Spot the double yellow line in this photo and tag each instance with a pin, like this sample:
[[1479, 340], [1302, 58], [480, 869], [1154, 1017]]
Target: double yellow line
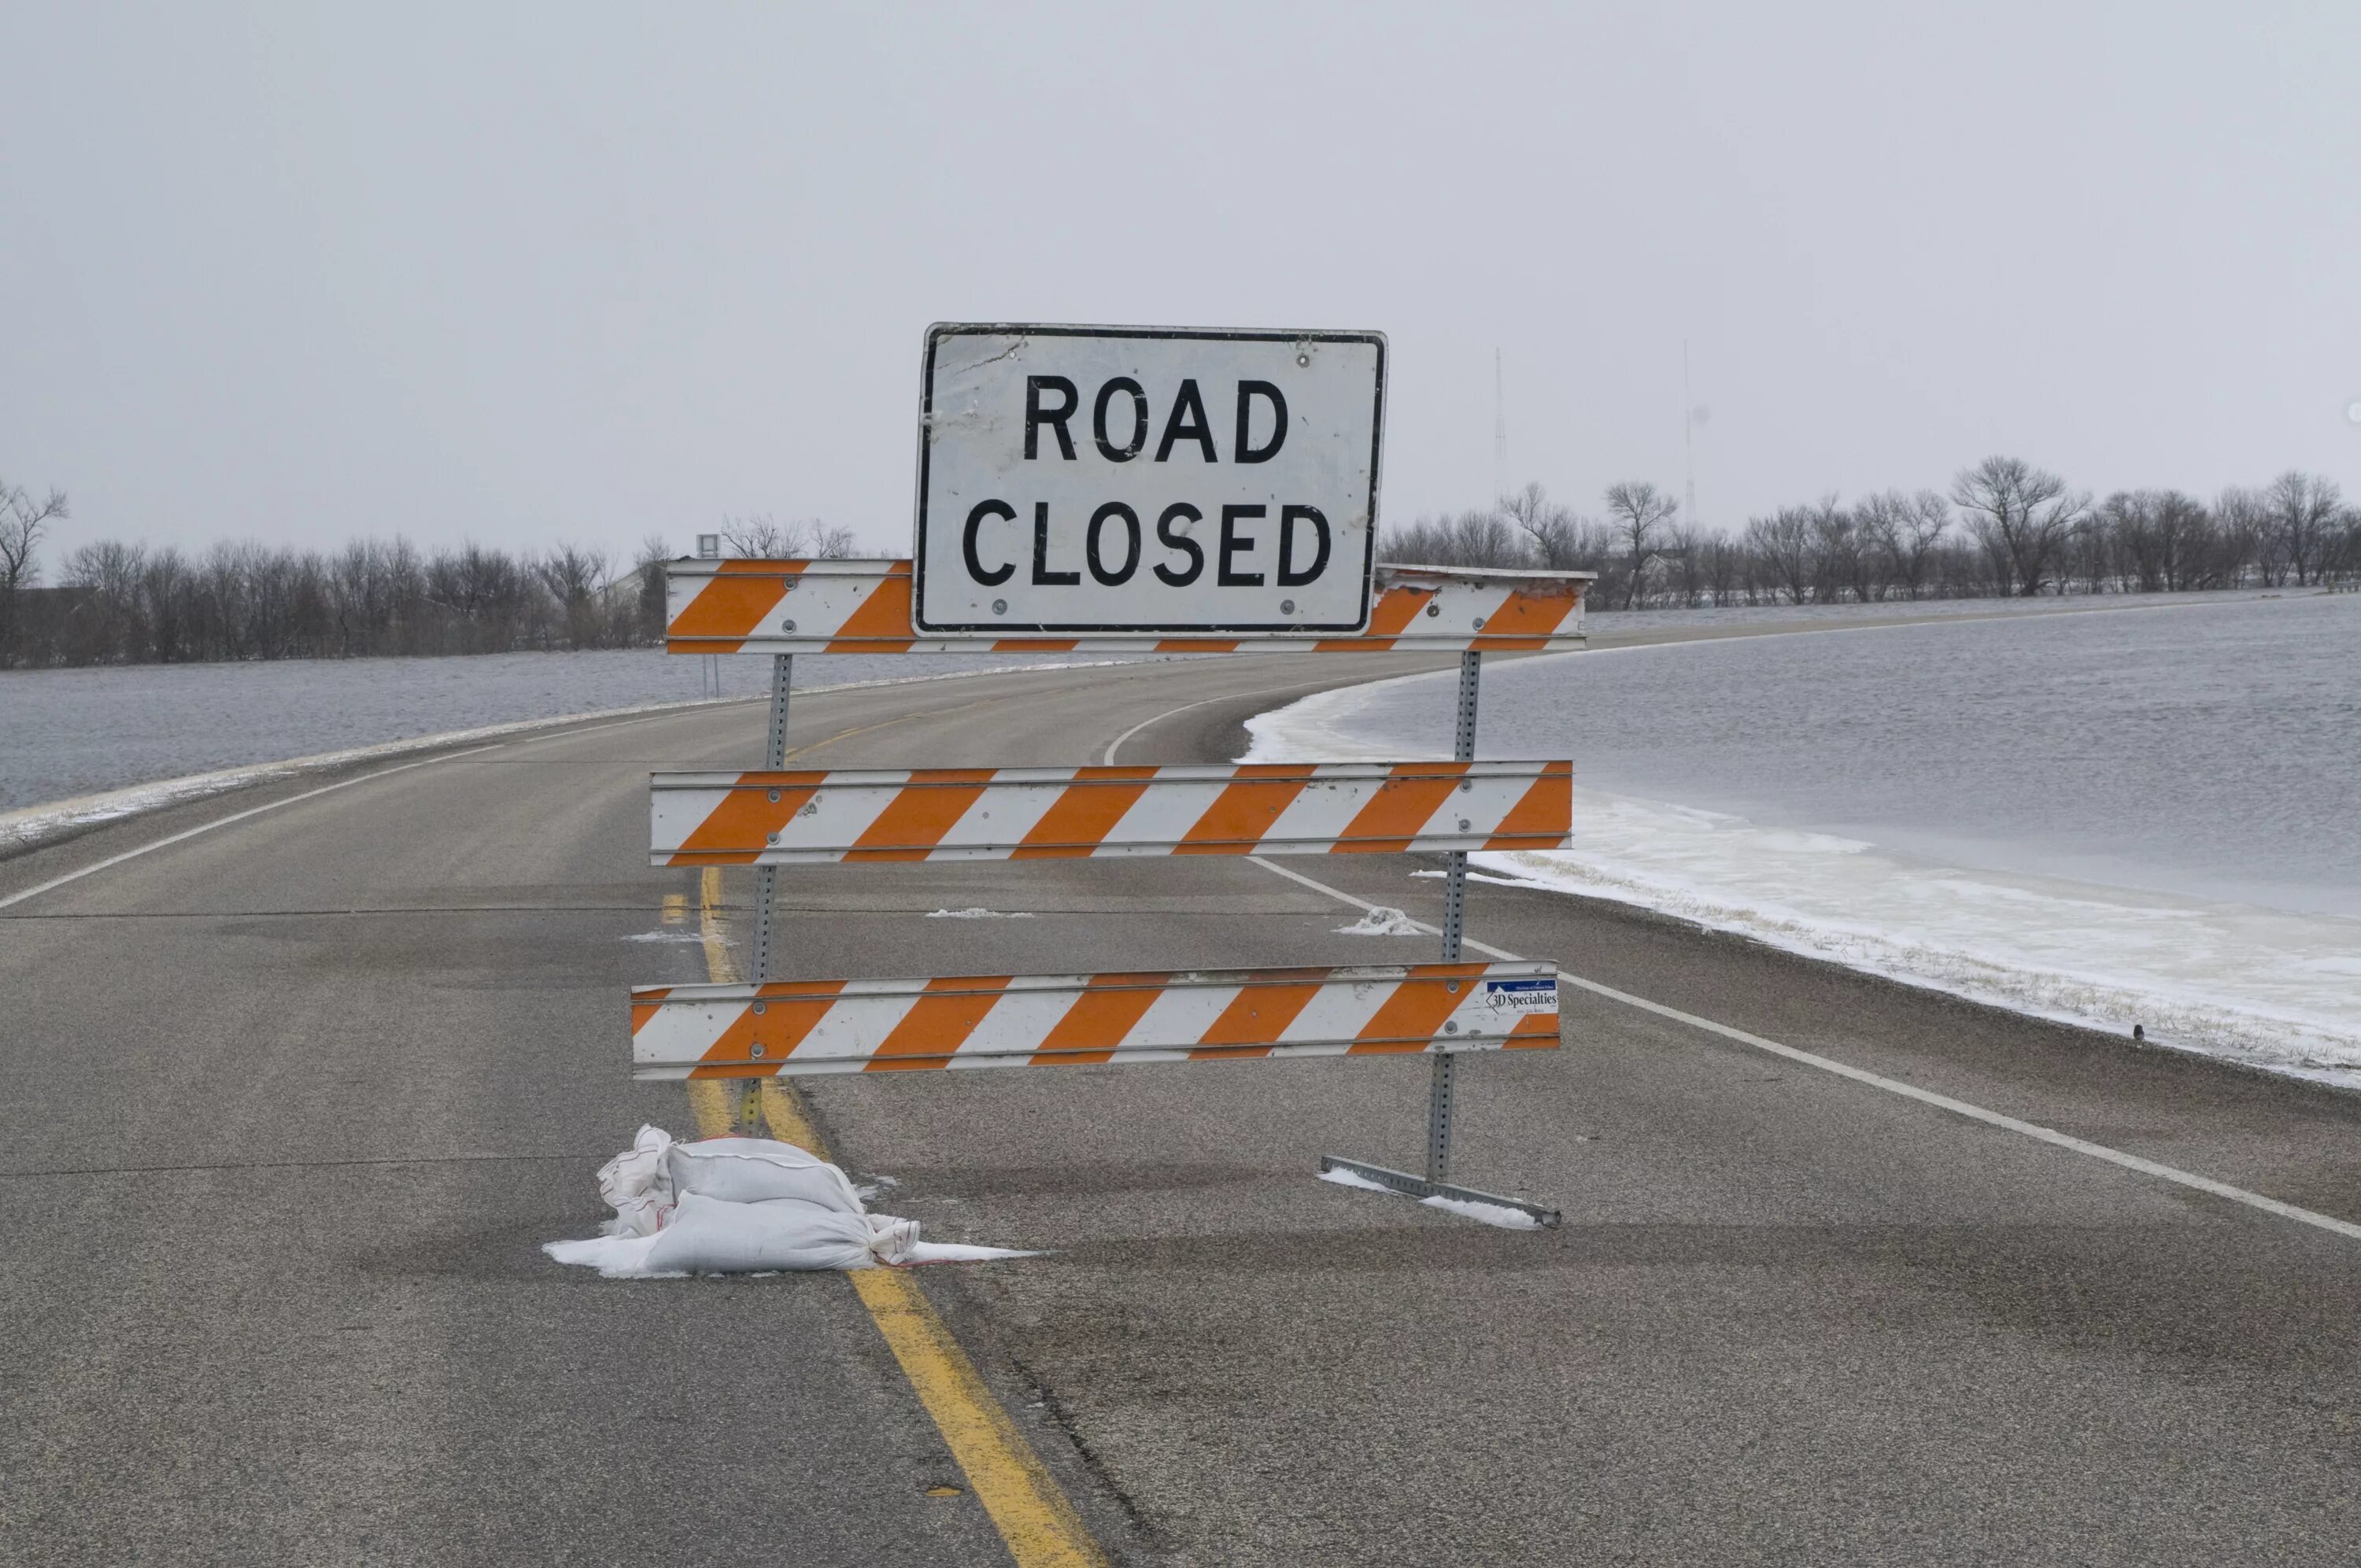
[[1033, 1516]]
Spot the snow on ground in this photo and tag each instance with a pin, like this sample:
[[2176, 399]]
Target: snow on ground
[[2266, 988], [1383, 921], [1498, 1214]]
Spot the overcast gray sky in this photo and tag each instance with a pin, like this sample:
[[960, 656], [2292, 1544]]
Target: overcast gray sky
[[587, 271]]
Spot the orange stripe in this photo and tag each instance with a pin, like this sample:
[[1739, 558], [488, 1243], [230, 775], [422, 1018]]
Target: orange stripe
[[1084, 813], [779, 1028], [1411, 1017], [1545, 817], [940, 1022], [737, 831], [1534, 1030], [1395, 609], [1403, 805], [643, 1011], [882, 617], [1099, 1019], [1529, 615], [735, 599], [1245, 810], [1256, 1017], [916, 819]]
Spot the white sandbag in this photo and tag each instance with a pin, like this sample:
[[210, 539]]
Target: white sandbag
[[756, 1171], [637, 1184], [714, 1236]]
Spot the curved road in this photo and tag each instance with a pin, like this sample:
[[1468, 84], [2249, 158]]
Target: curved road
[[292, 1101]]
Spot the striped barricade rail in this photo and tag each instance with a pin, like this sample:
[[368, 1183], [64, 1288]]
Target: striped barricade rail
[[797, 1027], [864, 606], [991, 814]]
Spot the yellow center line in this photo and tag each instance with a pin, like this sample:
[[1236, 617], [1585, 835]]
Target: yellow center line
[[1035, 1519]]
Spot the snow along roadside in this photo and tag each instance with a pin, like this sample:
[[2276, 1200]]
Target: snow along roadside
[[28, 826]]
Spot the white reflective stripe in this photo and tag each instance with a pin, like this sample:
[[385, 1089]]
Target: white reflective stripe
[[834, 818], [1323, 809], [1004, 813], [1183, 1015], [855, 1026], [1019, 1021]]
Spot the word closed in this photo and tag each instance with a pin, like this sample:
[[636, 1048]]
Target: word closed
[[1079, 479]]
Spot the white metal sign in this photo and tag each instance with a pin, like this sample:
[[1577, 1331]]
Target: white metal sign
[[1081, 479]]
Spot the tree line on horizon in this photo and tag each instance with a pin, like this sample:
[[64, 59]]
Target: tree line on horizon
[[2004, 529], [117, 603]]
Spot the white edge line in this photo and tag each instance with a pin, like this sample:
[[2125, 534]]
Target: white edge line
[[2346, 1228], [29, 828], [664, 711], [187, 833], [1106, 758]]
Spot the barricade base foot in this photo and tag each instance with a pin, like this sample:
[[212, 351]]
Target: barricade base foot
[[1411, 1186]]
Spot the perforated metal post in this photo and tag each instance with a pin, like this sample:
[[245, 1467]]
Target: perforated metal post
[[1455, 910], [766, 878]]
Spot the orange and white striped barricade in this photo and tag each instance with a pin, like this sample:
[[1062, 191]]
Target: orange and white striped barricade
[[788, 607], [797, 1027], [864, 606], [769, 819]]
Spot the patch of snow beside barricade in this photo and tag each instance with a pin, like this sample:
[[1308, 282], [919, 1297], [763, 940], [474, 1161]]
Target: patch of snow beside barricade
[[1498, 1214], [1383, 921], [741, 1206]]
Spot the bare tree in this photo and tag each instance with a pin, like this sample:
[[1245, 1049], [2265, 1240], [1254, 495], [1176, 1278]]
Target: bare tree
[[2020, 515], [575, 576], [650, 564], [1637, 511], [1904, 531], [2305, 513], [1464, 538], [1557, 540], [1840, 563], [1684, 567], [758, 535], [1783, 543], [23, 521]]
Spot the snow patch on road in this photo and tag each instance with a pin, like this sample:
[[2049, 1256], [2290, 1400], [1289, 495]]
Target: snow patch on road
[[1383, 921], [1498, 1214], [979, 914]]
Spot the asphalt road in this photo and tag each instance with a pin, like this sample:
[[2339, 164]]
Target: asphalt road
[[290, 1105]]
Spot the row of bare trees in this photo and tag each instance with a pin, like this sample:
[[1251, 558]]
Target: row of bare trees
[[117, 603], [2004, 529]]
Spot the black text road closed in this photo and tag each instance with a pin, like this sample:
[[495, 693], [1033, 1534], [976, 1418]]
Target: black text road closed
[[1076, 480]]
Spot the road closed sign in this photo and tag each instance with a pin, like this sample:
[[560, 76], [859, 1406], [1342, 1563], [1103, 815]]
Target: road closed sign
[[1146, 479]]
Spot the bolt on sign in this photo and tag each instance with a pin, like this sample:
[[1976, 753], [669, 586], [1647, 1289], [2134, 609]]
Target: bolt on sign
[[1146, 479]]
